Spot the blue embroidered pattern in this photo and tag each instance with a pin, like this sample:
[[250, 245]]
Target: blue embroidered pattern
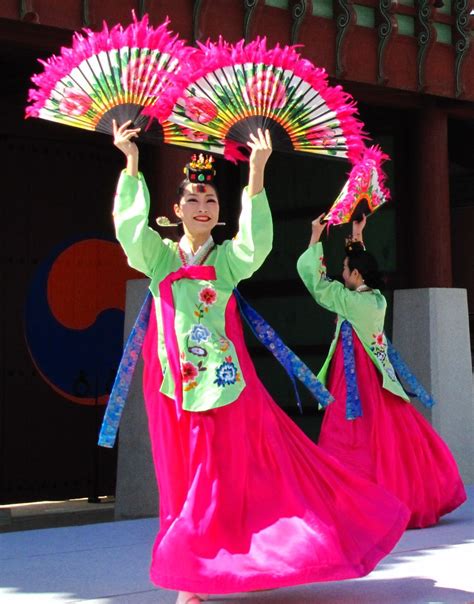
[[118, 396], [353, 404], [226, 373], [292, 364], [407, 376], [199, 333]]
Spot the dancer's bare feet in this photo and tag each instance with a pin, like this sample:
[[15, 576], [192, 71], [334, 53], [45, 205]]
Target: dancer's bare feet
[[187, 597]]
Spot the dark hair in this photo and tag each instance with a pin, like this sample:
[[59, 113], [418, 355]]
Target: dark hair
[[185, 182], [366, 264]]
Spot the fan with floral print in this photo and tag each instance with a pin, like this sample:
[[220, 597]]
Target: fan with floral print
[[228, 91], [364, 191], [115, 74]]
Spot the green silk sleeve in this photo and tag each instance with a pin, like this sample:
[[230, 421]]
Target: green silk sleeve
[[331, 295], [253, 242], [142, 245]]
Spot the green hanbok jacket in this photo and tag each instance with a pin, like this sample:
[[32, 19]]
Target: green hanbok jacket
[[210, 370], [365, 311]]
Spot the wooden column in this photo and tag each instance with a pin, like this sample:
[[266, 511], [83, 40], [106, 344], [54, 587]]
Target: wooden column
[[431, 241]]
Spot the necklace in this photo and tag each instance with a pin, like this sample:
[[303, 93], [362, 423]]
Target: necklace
[[363, 288]]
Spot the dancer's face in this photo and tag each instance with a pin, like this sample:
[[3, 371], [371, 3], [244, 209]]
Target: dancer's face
[[198, 209], [352, 279]]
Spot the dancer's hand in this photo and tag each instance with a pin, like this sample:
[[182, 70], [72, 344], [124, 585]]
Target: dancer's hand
[[317, 228], [261, 146], [123, 140], [358, 227]]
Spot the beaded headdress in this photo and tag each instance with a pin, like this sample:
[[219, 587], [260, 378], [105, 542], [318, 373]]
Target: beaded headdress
[[200, 169]]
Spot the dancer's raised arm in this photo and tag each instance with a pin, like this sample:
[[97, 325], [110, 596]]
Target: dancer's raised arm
[[142, 245]]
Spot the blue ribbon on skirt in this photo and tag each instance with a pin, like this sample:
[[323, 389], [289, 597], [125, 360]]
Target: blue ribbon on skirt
[[292, 364], [123, 379], [353, 404]]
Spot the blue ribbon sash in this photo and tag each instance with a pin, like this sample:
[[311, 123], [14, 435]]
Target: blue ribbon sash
[[293, 365], [353, 404], [404, 372]]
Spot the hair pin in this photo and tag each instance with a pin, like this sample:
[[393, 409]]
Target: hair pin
[[164, 221]]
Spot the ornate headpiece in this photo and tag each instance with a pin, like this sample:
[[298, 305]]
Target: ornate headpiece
[[200, 169]]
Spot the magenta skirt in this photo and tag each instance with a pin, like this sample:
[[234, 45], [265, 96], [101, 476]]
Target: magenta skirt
[[391, 444], [248, 502]]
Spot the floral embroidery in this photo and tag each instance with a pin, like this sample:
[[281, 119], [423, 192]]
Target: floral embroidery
[[379, 346], [223, 344], [199, 333], [199, 351], [190, 372], [226, 373], [208, 296], [391, 373]]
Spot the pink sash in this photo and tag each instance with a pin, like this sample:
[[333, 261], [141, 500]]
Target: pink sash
[[207, 273]]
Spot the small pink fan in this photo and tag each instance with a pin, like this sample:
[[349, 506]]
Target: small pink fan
[[364, 191], [230, 91]]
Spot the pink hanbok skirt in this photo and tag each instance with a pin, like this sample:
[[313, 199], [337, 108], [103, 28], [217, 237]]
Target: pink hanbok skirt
[[391, 444], [248, 502]]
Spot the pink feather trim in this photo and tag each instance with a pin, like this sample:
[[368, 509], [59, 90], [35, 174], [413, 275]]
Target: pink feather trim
[[368, 166], [212, 56], [89, 43]]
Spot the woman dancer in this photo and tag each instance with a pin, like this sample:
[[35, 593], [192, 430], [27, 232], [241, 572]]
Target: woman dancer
[[247, 502], [384, 439]]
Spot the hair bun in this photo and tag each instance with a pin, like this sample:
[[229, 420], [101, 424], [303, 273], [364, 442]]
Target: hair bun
[[354, 246]]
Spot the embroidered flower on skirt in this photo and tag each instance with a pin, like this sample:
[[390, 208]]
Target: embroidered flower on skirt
[[226, 373], [199, 333]]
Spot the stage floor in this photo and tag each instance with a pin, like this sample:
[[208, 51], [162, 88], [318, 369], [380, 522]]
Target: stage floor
[[108, 564]]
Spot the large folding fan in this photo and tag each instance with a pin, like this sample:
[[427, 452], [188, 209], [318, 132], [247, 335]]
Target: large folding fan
[[115, 74], [229, 91], [364, 191]]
